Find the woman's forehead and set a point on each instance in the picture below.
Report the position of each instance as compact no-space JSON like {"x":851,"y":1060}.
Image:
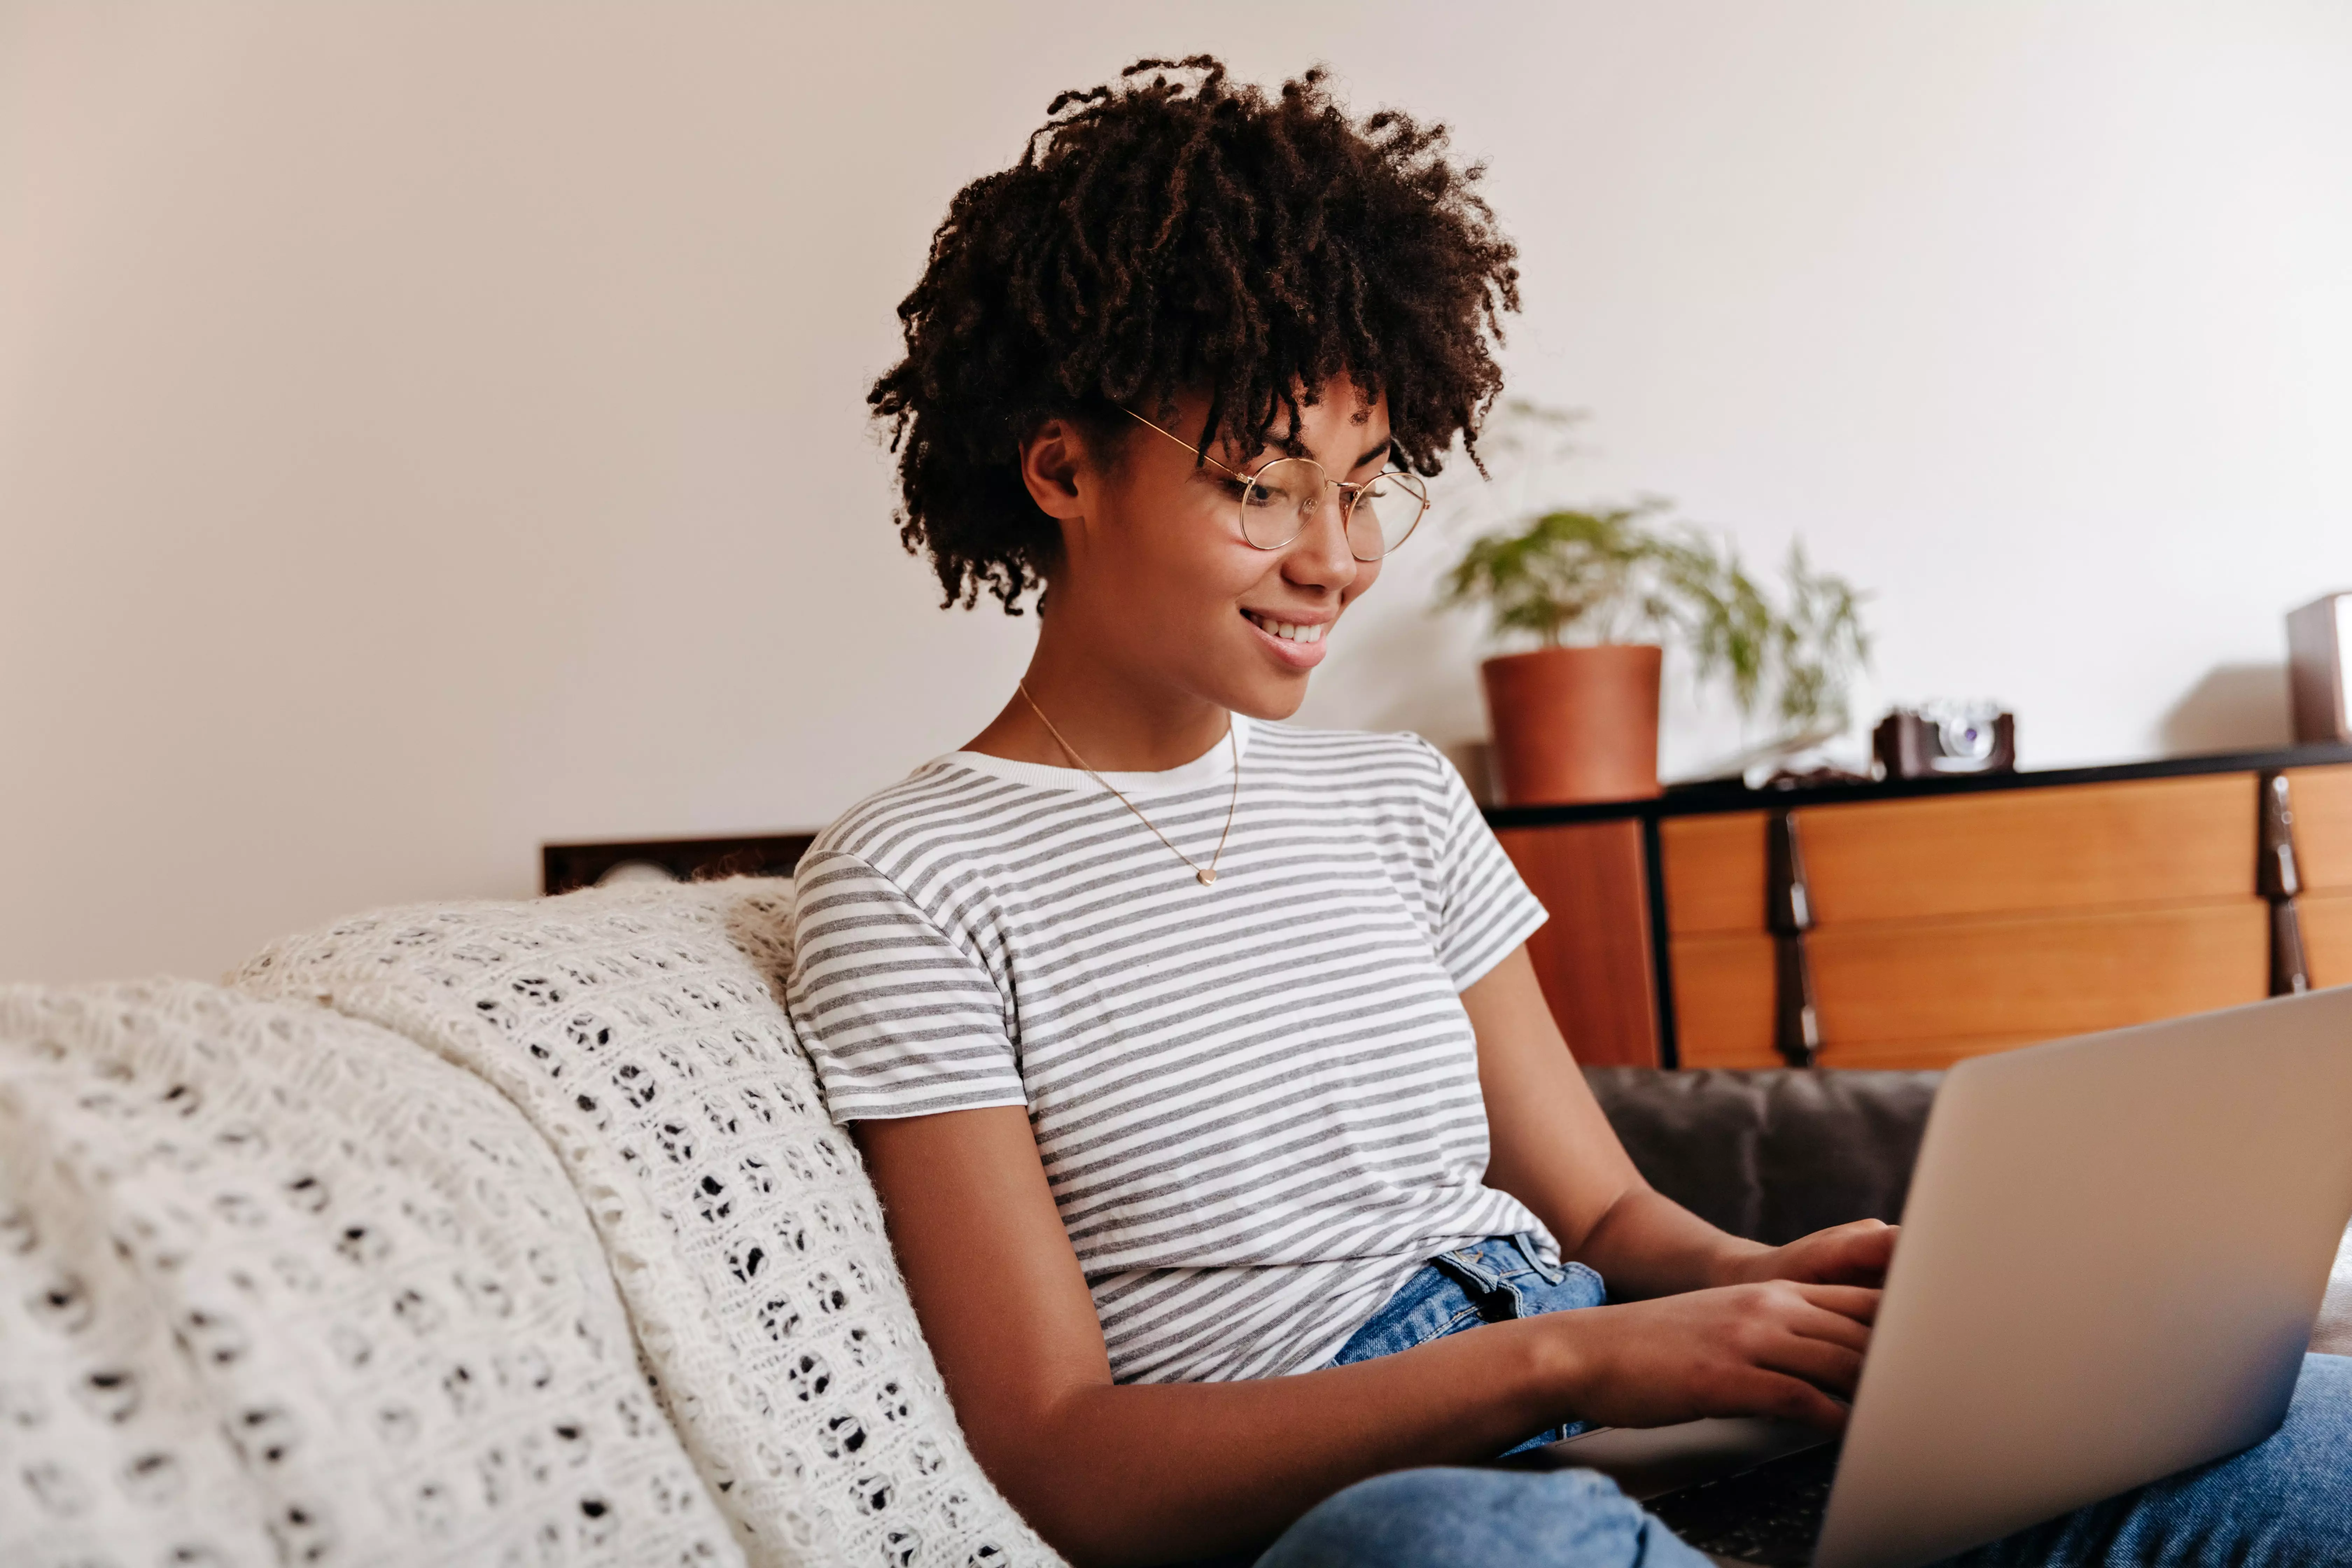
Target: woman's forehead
{"x":1342,"y":430}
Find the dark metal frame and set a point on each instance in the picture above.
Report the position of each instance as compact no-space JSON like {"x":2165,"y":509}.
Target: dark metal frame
{"x":1661,"y":958}
{"x":1718,"y":796}
{"x":2279,"y":879}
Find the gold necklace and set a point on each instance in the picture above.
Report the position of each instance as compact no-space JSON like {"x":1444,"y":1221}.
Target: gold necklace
{"x":1206,"y":874}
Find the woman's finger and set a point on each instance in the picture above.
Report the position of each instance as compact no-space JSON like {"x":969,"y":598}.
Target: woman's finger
{"x":1859,"y":1260}
{"x":1829,"y":1328}
{"x":1869,"y":1251}
{"x":1766,"y":1392}
{"x":1859,"y":1302}
{"x":1835,"y":1368}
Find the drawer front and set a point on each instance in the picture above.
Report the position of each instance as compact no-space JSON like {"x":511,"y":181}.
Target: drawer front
{"x":1714,"y":873}
{"x":1926,"y":993}
{"x":1722,"y":1001}
{"x":2323,"y":824}
{"x":2079,"y":846}
{"x":2038,"y":977}
{"x":2327,"y":922}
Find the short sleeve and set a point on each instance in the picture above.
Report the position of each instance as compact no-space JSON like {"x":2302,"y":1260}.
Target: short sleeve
{"x":1485,"y":909}
{"x":898,"y":1017}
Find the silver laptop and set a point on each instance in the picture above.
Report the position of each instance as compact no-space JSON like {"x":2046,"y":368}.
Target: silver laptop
{"x":2112,"y":1256}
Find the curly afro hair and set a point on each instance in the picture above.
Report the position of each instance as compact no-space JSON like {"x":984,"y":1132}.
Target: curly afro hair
{"x":1180,"y":232}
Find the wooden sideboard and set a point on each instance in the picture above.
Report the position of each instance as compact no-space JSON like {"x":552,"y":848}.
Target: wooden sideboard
{"x":1909,"y":923}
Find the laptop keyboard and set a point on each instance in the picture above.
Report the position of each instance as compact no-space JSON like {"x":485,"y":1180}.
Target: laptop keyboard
{"x":1770,"y":1515}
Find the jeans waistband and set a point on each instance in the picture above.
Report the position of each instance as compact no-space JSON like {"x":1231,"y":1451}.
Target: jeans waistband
{"x":1495,"y":1263}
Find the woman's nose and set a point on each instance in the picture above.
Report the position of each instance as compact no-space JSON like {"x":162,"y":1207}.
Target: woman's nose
{"x":1320,"y":556}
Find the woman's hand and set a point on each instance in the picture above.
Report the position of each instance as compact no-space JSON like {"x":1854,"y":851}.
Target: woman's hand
{"x":1854,"y":1254}
{"x":1778,"y":1348}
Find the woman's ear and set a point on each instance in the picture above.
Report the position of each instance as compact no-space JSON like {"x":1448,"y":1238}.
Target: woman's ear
{"x":1050,"y":460}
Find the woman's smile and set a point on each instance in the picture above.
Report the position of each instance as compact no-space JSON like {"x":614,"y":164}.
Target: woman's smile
{"x":1298,"y":643}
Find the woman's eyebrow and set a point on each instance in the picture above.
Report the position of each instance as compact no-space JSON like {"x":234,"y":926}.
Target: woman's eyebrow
{"x":1242,"y":468}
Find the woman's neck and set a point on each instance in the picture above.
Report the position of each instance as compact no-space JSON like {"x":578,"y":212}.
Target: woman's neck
{"x":1116,"y":720}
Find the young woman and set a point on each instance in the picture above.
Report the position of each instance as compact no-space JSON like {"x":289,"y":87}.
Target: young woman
{"x":1230,"y":1150}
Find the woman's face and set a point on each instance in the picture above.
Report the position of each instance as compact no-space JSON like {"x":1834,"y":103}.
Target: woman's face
{"x":1158,"y":584}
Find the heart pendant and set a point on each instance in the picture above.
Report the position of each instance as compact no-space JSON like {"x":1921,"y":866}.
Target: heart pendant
{"x":1208,"y":876}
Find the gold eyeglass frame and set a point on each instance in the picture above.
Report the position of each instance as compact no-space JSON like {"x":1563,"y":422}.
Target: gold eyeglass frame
{"x":1351,"y":492}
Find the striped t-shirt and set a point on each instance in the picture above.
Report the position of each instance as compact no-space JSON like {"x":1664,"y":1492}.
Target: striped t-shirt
{"x":1257,"y":1102}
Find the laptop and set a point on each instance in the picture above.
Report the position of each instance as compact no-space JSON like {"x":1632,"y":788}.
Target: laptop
{"x":2113,"y":1252}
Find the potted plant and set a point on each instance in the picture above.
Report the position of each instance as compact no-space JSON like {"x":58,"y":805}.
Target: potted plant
{"x":1600,"y":590}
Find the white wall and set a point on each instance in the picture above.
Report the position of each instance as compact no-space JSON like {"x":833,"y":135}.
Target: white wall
{"x":425,"y":430}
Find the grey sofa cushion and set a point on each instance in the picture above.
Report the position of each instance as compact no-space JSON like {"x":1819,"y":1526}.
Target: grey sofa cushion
{"x":1771,"y":1155}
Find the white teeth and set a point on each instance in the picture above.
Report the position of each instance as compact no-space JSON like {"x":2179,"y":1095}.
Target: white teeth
{"x":1286,"y":630}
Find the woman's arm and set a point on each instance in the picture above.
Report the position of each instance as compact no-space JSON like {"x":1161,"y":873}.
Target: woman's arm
{"x":1142,"y":1473}
{"x":1553,"y":1150}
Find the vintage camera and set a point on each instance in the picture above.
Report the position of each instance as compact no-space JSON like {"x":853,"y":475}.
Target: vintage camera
{"x":1938,"y":738}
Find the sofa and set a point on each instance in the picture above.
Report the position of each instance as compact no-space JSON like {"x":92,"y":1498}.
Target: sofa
{"x":516,"y":1234}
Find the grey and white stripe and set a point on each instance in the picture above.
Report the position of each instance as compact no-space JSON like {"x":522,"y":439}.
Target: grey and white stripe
{"x":1257,"y":1102}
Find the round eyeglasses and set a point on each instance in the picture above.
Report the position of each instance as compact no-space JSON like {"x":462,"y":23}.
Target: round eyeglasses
{"x":1276,"y":503}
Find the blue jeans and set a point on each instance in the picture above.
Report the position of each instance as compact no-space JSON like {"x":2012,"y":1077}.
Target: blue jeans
{"x":2286,"y":1502}
{"x":1490,"y":1282}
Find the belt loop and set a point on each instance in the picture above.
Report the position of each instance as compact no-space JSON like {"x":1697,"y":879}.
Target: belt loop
{"x":1526,"y":1242}
{"x":1469,"y":1265}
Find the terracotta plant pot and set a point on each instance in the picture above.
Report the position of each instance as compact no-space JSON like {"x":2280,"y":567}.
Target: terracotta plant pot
{"x":1575,"y":724}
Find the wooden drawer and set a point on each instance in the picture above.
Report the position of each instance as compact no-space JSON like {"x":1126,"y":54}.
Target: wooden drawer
{"x":2323,"y":824}
{"x":1926,"y":992}
{"x":1722,"y":1001}
{"x":2326,"y":920}
{"x":1714,"y":872}
{"x":2039,"y":977}
{"x":2037,"y":850}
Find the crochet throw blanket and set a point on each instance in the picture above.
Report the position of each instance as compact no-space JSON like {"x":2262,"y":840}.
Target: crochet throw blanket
{"x":279,"y":1288}
{"x":639,"y":1031}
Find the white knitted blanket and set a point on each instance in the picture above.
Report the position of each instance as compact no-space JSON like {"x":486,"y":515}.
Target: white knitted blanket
{"x":639,"y":1030}
{"x":279,"y":1288}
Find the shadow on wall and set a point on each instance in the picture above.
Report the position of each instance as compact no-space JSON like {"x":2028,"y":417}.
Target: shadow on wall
{"x":2235,"y":708}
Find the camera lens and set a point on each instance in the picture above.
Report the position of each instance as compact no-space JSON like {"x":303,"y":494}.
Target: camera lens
{"x":1965,"y":736}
